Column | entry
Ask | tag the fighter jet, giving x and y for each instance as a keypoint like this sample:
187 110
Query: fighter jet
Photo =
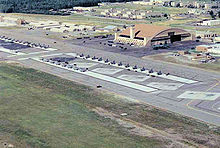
159 73
100 59
127 65
135 67
120 64
142 69
151 71
113 62
93 58
88 56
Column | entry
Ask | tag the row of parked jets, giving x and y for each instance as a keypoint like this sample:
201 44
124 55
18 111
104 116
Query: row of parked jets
26 43
120 64
106 61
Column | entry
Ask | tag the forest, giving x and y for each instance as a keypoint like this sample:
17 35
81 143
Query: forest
43 6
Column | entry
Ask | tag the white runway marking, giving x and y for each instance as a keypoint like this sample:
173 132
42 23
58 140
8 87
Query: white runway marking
135 78
176 78
56 54
107 71
37 52
106 78
165 86
195 95
50 49
84 65
71 54
21 59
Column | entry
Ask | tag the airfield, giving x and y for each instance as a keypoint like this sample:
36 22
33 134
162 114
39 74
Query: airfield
187 91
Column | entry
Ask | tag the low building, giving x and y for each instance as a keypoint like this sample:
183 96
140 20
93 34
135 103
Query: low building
196 11
217 39
206 35
143 3
149 35
208 6
1 18
83 9
21 22
140 16
209 23
197 5
181 4
129 14
12 20
202 48
215 48
183 52
172 4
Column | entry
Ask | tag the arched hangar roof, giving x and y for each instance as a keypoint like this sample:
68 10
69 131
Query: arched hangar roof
150 31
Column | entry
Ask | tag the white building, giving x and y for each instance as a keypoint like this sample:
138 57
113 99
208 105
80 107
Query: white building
83 8
217 39
208 6
214 49
196 11
210 23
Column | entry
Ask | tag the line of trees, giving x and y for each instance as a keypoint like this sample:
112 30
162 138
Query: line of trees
43 6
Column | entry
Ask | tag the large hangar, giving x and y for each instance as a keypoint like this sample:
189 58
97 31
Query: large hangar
148 35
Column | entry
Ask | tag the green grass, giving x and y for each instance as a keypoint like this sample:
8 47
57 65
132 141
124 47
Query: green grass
46 111
43 110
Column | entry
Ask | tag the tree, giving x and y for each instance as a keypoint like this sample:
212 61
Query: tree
212 14
43 6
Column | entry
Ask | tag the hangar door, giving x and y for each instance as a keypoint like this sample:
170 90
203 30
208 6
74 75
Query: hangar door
173 37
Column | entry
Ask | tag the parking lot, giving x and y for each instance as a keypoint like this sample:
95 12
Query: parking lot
107 43
19 47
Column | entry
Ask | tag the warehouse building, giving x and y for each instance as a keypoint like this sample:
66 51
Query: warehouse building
149 35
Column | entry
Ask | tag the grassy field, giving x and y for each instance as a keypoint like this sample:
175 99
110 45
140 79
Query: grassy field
215 66
33 112
41 110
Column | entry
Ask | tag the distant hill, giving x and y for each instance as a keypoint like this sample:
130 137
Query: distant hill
43 6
